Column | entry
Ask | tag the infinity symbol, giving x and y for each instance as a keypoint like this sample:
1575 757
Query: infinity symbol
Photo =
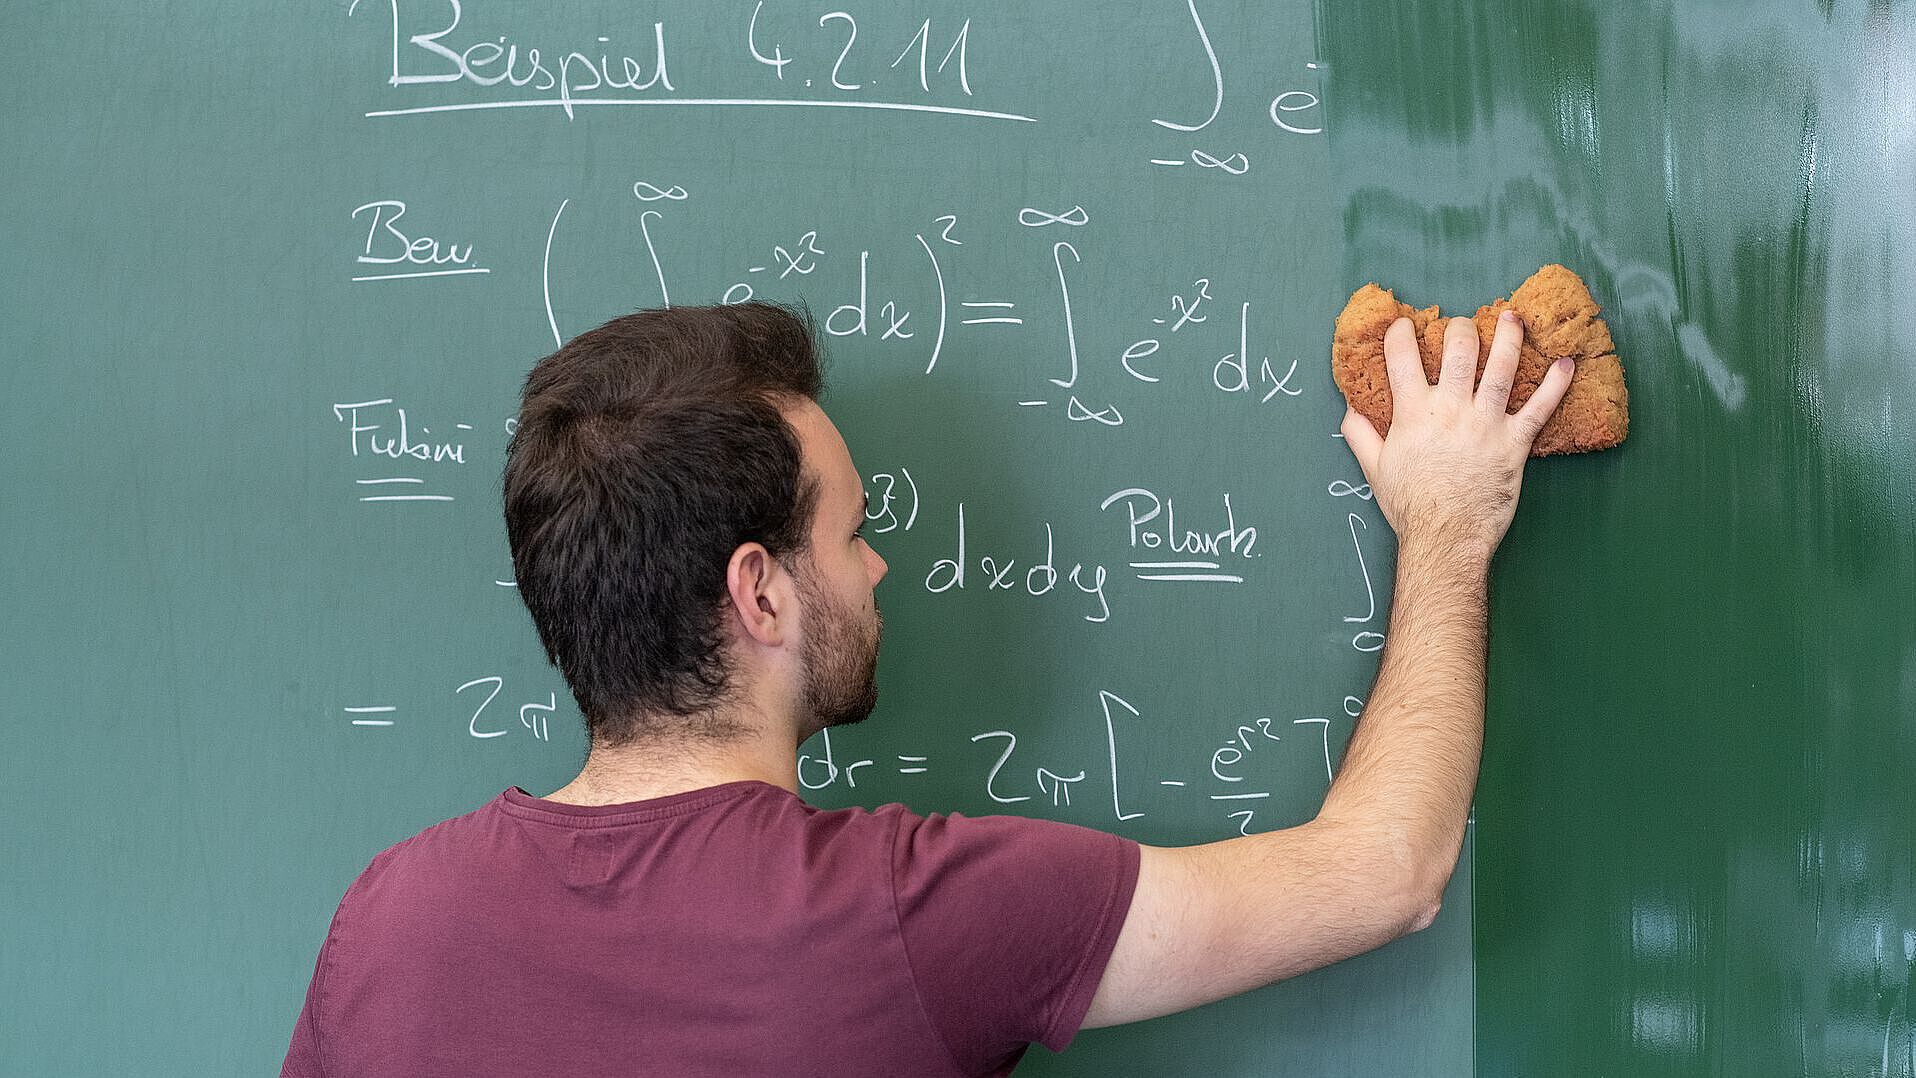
1075 217
648 193
1240 167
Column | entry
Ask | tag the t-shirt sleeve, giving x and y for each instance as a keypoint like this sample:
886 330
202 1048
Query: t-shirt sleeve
1008 924
302 1056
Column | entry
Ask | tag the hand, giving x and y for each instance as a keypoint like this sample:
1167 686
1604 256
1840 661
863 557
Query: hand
1450 471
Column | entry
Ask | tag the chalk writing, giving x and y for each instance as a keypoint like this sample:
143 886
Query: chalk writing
996 572
1020 299
884 495
387 245
430 47
429 58
1144 532
380 428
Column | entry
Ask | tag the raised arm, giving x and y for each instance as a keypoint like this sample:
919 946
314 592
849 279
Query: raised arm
1211 921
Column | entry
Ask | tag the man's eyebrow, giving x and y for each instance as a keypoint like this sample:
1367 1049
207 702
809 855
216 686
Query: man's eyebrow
864 511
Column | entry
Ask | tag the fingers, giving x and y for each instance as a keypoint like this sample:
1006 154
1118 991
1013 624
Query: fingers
1500 371
1402 360
1363 439
1459 373
1543 403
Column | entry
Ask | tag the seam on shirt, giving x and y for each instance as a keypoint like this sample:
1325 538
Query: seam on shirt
320 975
326 948
536 814
898 924
1084 959
319 988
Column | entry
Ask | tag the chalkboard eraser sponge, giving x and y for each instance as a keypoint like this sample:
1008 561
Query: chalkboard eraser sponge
1560 318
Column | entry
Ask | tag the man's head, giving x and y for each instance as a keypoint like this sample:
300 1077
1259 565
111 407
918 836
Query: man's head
673 499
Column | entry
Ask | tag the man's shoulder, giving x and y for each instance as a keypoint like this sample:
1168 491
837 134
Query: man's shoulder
765 823
428 843
733 814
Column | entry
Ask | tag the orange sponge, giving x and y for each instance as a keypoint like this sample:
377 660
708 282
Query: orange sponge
1559 319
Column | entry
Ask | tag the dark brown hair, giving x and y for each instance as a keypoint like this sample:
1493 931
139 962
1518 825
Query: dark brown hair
647 450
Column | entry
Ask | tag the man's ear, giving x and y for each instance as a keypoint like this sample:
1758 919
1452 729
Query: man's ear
762 594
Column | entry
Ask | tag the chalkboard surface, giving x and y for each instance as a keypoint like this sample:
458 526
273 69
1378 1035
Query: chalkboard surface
1696 845
275 277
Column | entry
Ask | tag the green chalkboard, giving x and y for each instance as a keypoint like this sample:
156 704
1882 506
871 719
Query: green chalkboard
275 277
1696 844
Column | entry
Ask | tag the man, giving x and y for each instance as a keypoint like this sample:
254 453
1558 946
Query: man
685 525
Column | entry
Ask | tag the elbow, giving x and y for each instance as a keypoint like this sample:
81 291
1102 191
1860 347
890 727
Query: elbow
1423 896
1403 871
1422 915
1421 877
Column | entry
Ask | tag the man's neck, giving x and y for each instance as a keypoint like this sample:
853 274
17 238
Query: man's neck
643 770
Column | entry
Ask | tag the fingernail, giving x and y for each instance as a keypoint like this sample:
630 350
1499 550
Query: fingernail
1567 365
1508 315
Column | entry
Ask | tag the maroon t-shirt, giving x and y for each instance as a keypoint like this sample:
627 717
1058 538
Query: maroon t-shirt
729 931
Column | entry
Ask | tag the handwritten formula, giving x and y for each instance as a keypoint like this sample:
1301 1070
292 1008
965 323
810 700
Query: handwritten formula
1055 311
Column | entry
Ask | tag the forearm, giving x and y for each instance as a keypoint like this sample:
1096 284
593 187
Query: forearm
1206 921
1209 921
1387 837
1411 766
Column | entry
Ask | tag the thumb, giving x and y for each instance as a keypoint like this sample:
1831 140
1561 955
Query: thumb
1366 444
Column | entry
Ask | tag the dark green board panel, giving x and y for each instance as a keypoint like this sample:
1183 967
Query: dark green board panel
1702 673
1696 846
